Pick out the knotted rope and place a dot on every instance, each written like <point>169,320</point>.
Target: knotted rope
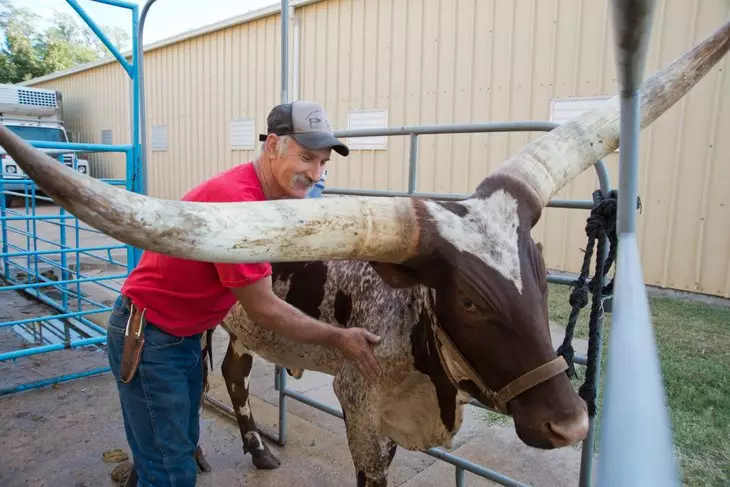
<point>600,227</point>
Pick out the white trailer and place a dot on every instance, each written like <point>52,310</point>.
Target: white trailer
<point>33,114</point>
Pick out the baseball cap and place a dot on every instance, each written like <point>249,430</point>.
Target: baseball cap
<point>307,123</point>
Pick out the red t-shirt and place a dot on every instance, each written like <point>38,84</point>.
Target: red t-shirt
<point>185,297</point>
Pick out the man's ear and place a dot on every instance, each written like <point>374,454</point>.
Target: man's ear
<point>271,141</point>
<point>396,275</point>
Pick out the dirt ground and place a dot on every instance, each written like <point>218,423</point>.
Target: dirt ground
<point>60,435</point>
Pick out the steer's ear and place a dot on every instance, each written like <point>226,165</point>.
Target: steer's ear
<point>396,275</point>
<point>428,272</point>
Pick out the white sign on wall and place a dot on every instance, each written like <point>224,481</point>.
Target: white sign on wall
<point>106,136</point>
<point>243,133</point>
<point>565,109</point>
<point>158,137</point>
<point>374,118</point>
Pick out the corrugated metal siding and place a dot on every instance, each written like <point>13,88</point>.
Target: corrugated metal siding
<point>93,101</point>
<point>196,88</point>
<point>685,226</point>
<point>439,61</point>
<point>447,61</point>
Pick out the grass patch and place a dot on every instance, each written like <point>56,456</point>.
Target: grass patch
<point>559,306</point>
<point>693,341</point>
<point>694,350</point>
<point>488,417</point>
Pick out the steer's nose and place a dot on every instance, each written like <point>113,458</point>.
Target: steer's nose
<point>574,428</point>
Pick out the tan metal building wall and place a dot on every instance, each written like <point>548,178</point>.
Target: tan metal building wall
<point>95,101</point>
<point>444,61</point>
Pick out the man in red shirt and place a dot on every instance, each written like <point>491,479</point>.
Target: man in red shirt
<point>160,379</point>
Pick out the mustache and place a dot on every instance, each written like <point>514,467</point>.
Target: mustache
<point>301,179</point>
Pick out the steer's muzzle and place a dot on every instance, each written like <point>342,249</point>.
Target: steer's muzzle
<point>550,415</point>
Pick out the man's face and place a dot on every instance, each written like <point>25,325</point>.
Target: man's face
<point>296,168</point>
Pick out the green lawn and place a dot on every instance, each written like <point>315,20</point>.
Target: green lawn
<point>694,348</point>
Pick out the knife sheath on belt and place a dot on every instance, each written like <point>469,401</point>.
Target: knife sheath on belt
<point>133,342</point>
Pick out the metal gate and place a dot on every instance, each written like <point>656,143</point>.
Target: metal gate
<point>636,438</point>
<point>461,465</point>
<point>413,132</point>
<point>53,258</point>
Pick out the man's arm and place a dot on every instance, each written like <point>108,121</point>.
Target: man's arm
<point>264,307</point>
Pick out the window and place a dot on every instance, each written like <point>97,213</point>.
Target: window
<point>106,136</point>
<point>32,132</point>
<point>159,137</point>
<point>243,133</point>
<point>565,109</point>
<point>359,119</point>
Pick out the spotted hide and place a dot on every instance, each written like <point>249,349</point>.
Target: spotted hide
<point>414,405</point>
<point>484,286</point>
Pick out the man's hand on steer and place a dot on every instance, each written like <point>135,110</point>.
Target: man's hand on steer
<point>356,344</point>
<point>267,309</point>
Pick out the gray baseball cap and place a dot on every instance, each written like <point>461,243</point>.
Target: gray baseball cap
<point>307,123</point>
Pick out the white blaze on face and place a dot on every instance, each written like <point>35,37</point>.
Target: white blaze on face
<point>488,231</point>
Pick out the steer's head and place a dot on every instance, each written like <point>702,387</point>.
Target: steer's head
<point>489,286</point>
<point>477,254</point>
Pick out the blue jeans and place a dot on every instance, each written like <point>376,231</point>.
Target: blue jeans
<point>160,404</point>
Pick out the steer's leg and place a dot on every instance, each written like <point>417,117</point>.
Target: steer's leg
<point>296,373</point>
<point>371,453</point>
<point>236,368</point>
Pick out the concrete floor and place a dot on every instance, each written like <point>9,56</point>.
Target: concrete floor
<point>58,435</point>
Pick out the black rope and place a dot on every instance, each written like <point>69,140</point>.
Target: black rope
<point>600,228</point>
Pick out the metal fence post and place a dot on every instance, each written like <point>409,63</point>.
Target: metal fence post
<point>413,164</point>
<point>636,440</point>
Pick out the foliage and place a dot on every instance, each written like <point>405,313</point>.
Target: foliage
<point>29,52</point>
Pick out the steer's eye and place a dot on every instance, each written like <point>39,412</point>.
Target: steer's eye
<point>469,306</point>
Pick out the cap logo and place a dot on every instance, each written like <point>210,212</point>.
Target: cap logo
<point>317,121</point>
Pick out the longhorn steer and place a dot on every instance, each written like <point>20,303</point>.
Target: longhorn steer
<point>419,401</point>
<point>464,310</point>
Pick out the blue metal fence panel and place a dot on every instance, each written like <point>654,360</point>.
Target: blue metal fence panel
<point>45,249</point>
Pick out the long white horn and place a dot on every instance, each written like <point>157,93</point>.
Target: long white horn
<point>548,163</point>
<point>378,229</point>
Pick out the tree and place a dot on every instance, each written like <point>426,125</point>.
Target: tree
<point>29,52</point>
<point>19,57</point>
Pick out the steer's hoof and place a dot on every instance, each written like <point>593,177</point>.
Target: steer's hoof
<point>265,460</point>
<point>296,373</point>
<point>203,464</point>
